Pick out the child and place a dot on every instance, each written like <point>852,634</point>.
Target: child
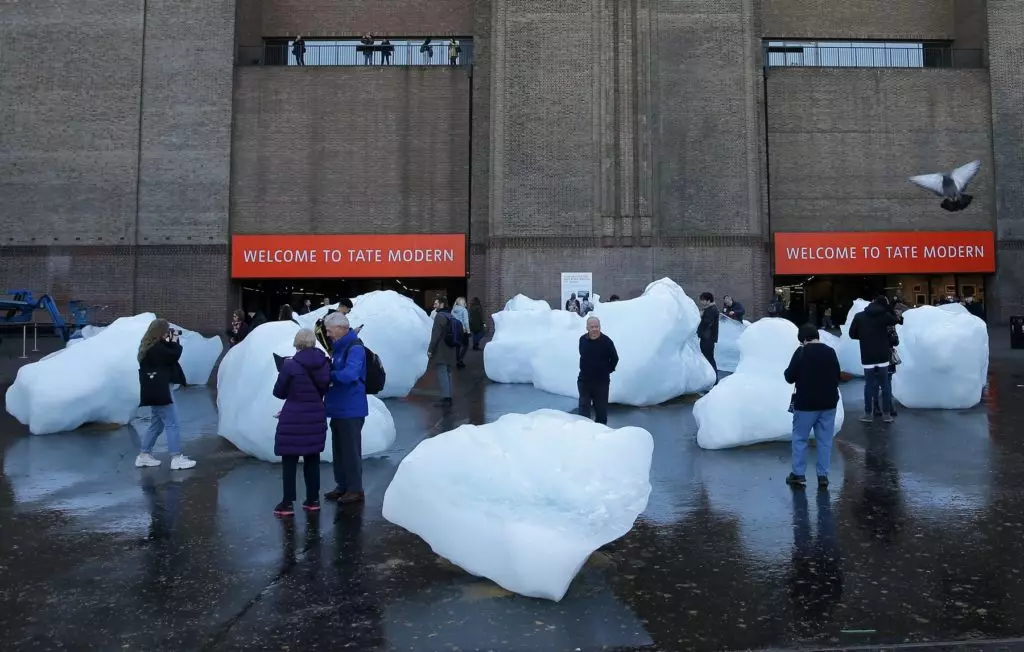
<point>814,369</point>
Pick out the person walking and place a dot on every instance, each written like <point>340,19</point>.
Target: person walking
<point>477,326</point>
<point>871,328</point>
<point>814,369</point>
<point>302,421</point>
<point>461,313</point>
<point>442,351</point>
<point>159,352</point>
<point>598,359</point>
<point>347,408</point>
<point>707,329</point>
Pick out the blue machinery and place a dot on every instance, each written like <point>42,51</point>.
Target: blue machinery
<point>18,307</point>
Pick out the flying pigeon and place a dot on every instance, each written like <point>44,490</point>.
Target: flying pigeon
<point>950,186</point>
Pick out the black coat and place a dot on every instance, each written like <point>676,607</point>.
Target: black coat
<point>707,329</point>
<point>159,370</point>
<point>871,327</point>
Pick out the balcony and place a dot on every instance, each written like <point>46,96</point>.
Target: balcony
<point>351,52</point>
<point>827,54</point>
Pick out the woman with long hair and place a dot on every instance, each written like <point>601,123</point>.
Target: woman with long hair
<point>158,357</point>
<point>238,328</point>
<point>476,322</point>
<point>460,312</point>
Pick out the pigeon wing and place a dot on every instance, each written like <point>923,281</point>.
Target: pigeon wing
<point>931,182</point>
<point>963,175</point>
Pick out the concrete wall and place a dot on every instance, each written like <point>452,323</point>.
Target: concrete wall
<point>351,150</point>
<point>859,19</point>
<point>380,17</point>
<point>842,143</point>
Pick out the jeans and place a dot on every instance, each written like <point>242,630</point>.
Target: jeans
<point>460,350</point>
<point>164,419</point>
<point>708,349</point>
<point>444,380</point>
<point>594,392</point>
<point>875,378</point>
<point>310,472</point>
<point>824,425</point>
<point>347,447</point>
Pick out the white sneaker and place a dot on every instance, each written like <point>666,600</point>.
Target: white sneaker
<point>145,459</point>
<point>180,463</point>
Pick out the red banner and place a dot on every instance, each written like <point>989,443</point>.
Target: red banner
<point>885,252</point>
<point>348,256</point>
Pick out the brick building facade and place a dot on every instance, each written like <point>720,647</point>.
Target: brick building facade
<point>631,138</point>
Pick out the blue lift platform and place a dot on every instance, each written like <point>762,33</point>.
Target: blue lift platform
<point>18,307</point>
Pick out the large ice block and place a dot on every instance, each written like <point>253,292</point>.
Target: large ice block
<point>525,500</point>
<point>752,405</point>
<point>246,403</point>
<point>849,349</point>
<point>97,379</point>
<point>727,351</point>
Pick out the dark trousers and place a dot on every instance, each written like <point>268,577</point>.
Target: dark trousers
<point>347,446</point>
<point>594,393</point>
<point>707,347</point>
<point>310,472</point>
<point>477,336</point>
<point>460,350</point>
<point>877,380</point>
<point>300,59</point>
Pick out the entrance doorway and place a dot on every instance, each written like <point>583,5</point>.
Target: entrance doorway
<point>807,297</point>
<point>269,295</point>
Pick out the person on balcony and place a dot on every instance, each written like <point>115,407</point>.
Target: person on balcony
<point>453,52</point>
<point>427,50</point>
<point>386,50</point>
<point>299,50</point>
<point>366,48</point>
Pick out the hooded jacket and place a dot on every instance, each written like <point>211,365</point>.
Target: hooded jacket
<point>871,327</point>
<point>302,383</point>
<point>346,399</point>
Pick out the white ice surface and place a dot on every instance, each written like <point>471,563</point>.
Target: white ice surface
<point>97,379</point>
<point>526,499</point>
<point>246,403</point>
<point>521,302</point>
<point>654,334</point>
<point>752,405</point>
<point>727,351</point>
<point>394,328</point>
<point>849,349</point>
<point>945,358</point>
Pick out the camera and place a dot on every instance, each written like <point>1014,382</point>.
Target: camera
<point>173,333</point>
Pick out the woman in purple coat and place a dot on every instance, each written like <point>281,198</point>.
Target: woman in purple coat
<point>302,422</point>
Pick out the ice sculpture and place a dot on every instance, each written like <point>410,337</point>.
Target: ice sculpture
<point>727,351</point>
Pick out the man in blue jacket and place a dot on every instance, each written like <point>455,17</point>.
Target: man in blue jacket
<point>347,409</point>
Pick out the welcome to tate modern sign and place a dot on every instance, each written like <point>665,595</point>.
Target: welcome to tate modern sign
<point>885,252</point>
<point>349,256</point>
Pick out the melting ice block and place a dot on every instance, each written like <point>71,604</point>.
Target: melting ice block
<point>945,358</point>
<point>97,379</point>
<point>848,349</point>
<point>727,351</point>
<point>654,334</point>
<point>752,405</point>
<point>246,403</point>
<point>394,328</point>
<point>525,500</point>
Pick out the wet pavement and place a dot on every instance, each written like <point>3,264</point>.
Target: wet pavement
<point>920,539</point>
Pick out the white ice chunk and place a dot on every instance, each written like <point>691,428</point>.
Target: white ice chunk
<point>849,349</point>
<point>654,334</point>
<point>246,403</point>
<point>97,379</point>
<point>727,351</point>
<point>945,358</point>
<point>521,302</point>
<point>752,405</point>
<point>394,328</point>
<point>525,500</point>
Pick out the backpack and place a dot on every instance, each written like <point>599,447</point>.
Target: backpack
<point>453,337</point>
<point>375,375</point>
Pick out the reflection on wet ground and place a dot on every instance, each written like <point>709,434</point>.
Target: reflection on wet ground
<point>919,539</point>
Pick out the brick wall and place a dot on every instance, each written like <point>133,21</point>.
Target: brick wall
<point>314,18</point>
<point>842,143</point>
<point>859,19</point>
<point>351,150</point>
<point>1006,24</point>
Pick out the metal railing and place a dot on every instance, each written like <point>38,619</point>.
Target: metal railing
<point>826,56</point>
<point>282,53</point>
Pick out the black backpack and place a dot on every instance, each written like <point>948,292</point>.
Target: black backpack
<point>453,337</point>
<point>375,375</point>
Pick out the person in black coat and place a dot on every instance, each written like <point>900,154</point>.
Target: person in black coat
<point>598,359</point>
<point>707,329</point>
<point>159,370</point>
<point>238,328</point>
<point>872,328</point>
<point>814,369</point>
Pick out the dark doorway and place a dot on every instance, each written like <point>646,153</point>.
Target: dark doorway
<point>268,295</point>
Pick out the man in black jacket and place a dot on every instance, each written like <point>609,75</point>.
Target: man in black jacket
<point>598,359</point>
<point>814,369</point>
<point>707,329</point>
<point>871,327</point>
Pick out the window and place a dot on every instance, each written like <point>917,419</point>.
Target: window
<point>869,54</point>
<point>354,52</point>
